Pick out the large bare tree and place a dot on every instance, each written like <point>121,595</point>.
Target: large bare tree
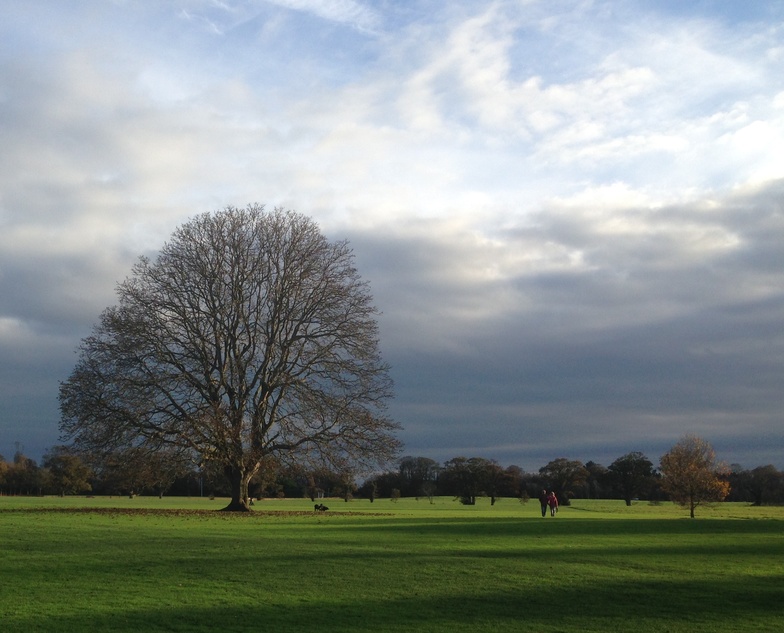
<point>251,337</point>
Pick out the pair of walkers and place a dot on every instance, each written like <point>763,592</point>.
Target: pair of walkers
<point>548,501</point>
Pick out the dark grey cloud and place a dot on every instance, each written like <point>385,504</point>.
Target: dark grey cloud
<point>651,336</point>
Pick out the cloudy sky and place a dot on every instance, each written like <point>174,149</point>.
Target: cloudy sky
<point>571,213</point>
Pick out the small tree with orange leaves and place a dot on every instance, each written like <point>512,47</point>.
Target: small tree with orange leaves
<point>690,474</point>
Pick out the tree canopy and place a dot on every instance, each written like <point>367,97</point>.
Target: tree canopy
<point>631,473</point>
<point>564,474</point>
<point>67,473</point>
<point>251,337</point>
<point>691,475</point>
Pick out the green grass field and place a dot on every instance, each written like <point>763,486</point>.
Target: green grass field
<point>148,564</point>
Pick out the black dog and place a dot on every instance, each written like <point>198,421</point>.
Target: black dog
<point>320,507</point>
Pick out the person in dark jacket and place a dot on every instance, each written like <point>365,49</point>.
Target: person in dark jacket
<point>543,500</point>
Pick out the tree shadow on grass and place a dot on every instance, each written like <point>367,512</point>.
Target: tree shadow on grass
<point>673,606</point>
<point>527,581</point>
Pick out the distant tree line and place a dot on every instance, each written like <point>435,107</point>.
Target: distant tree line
<point>630,477</point>
<point>466,479</point>
<point>65,471</point>
<point>61,472</point>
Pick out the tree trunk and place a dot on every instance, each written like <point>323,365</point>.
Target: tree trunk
<point>239,480</point>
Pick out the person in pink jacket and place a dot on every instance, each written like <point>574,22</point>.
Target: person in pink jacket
<point>552,501</point>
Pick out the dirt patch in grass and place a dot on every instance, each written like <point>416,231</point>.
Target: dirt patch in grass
<point>168,512</point>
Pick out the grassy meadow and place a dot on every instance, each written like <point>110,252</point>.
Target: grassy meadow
<point>175,564</point>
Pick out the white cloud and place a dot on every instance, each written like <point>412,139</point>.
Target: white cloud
<point>220,18</point>
<point>349,12</point>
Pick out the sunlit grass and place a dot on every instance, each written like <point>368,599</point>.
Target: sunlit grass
<point>410,565</point>
<point>439,506</point>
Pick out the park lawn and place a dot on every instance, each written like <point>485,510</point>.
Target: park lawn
<point>149,564</point>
